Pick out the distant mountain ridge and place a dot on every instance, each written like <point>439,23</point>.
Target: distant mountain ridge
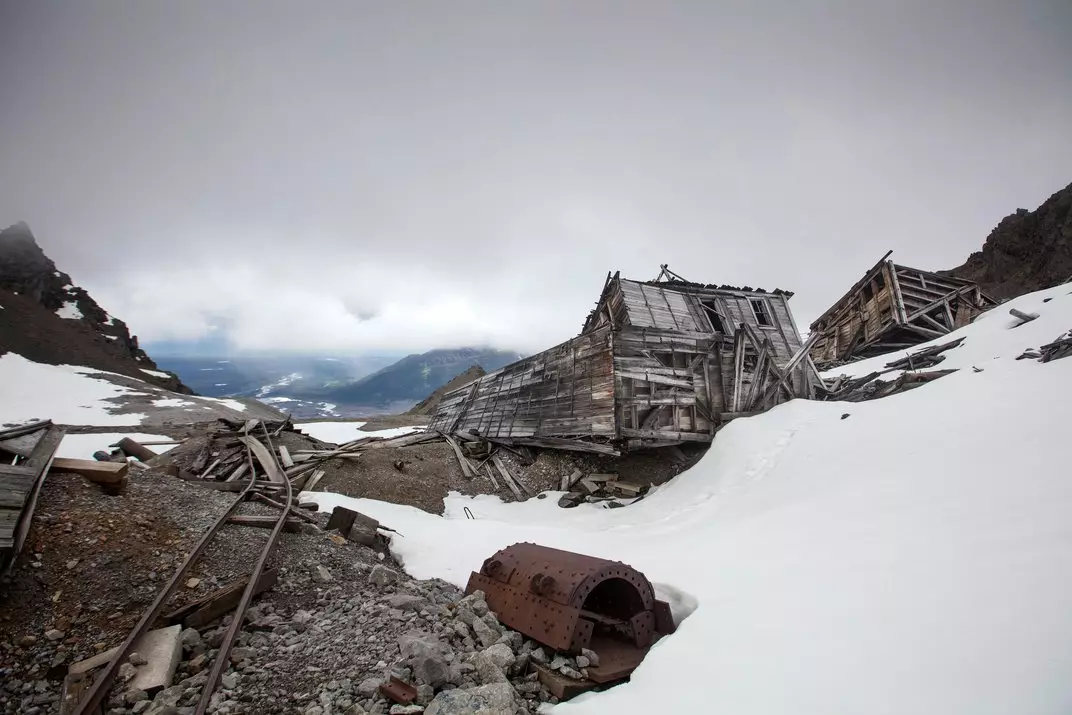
<point>1027,251</point>
<point>415,377</point>
<point>46,318</point>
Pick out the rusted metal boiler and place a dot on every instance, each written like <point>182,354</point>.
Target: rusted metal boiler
<point>569,601</point>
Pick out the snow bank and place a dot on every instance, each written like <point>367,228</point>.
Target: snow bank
<point>155,373</point>
<point>995,335</point>
<point>226,402</point>
<point>172,402</point>
<point>82,446</point>
<point>913,557</point>
<point>69,310</point>
<point>342,432</point>
<point>63,393</point>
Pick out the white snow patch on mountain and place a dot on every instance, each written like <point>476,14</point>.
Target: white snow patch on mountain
<point>914,556</point>
<point>69,310</point>
<point>155,373</point>
<point>64,393</point>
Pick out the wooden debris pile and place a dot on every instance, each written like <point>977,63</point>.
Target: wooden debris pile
<point>1060,348</point>
<point>596,488</point>
<point>869,387</point>
<point>26,452</point>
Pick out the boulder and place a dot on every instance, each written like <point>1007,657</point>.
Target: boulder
<point>494,699</point>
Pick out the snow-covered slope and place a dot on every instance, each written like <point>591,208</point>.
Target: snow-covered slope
<point>73,395</point>
<point>914,556</point>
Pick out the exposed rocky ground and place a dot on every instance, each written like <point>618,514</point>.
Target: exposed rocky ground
<point>1027,251</point>
<point>341,620</point>
<point>46,318</point>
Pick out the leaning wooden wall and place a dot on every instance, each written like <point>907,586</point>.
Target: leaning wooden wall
<point>566,391</point>
<point>668,383</point>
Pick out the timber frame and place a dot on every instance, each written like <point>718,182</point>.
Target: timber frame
<point>894,307</point>
<point>657,363</point>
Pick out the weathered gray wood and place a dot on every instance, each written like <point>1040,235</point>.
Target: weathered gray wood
<point>1025,317</point>
<point>134,449</point>
<point>507,477</point>
<point>100,472</point>
<point>268,464</point>
<point>467,467</point>
<point>284,456</point>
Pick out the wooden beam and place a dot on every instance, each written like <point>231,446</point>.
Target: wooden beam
<point>205,610</point>
<point>271,468</point>
<point>99,472</point>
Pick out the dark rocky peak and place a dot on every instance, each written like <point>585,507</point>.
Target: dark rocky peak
<point>48,319</point>
<point>1027,251</point>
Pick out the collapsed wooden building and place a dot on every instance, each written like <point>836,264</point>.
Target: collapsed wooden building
<point>891,308</point>
<point>657,363</point>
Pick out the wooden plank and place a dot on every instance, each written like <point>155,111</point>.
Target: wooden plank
<point>22,445</point>
<point>507,477</point>
<point>284,456</point>
<point>100,472</point>
<point>467,467</point>
<point>264,522</point>
<point>134,449</point>
<point>667,435</point>
<point>271,468</point>
<point>314,480</point>
<point>205,610</point>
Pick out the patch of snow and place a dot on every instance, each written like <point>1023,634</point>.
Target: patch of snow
<point>226,402</point>
<point>171,402</point>
<point>109,320</point>
<point>913,557</point>
<point>276,400</point>
<point>82,446</point>
<point>64,393</point>
<point>220,384</point>
<point>341,432</point>
<point>113,337</point>
<point>155,373</point>
<point>281,382</point>
<point>57,274</point>
<point>223,361</point>
<point>211,369</point>
<point>995,335</point>
<point>69,311</point>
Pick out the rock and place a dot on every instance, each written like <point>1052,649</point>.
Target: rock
<point>539,655</point>
<point>512,639</point>
<point>28,641</point>
<point>582,661</point>
<point>382,576</point>
<point>406,709</point>
<point>133,697</point>
<point>53,634</point>
<point>406,602</point>
<point>458,672</point>
<point>136,658</point>
<point>169,697</point>
<point>323,575</point>
<point>500,654</point>
<point>193,583</point>
<point>355,709</point>
<point>494,699</point>
<point>368,687</point>
<point>592,656</point>
<point>465,614</point>
<point>197,663</point>
<point>484,634</point>
<point>229,681</point>
<point>476,602</point>
<point>127,672</point>
<point>571,673</point>
<point>559,662</point>
<point>425,694</point>
<point>487,671</point>
<point>191,639</point>
<point>142,706</point>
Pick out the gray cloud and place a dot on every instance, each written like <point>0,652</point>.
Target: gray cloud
<point>411,175</point>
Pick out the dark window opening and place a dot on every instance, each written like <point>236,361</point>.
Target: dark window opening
<point>762,312</point>
<point>880,281</point>
<point>712,313</point>
<point>869,293</point>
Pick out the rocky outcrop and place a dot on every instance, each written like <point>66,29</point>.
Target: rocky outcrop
<point>1028,251</point>
<point>46,318</point>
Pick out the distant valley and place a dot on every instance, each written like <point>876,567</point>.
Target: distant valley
<point>309,386</point>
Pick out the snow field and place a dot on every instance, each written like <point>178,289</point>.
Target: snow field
<point>914,556</point>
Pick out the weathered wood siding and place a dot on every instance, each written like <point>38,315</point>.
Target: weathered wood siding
<point>894,307</point>
<point>567,391</point>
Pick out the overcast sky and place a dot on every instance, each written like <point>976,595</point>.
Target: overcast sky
<point>355,176</point>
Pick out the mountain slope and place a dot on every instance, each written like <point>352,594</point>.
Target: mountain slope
<point>429,404</point>
<point>1027,251</point>
<point>46,318</point>
<point>413,377</point>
